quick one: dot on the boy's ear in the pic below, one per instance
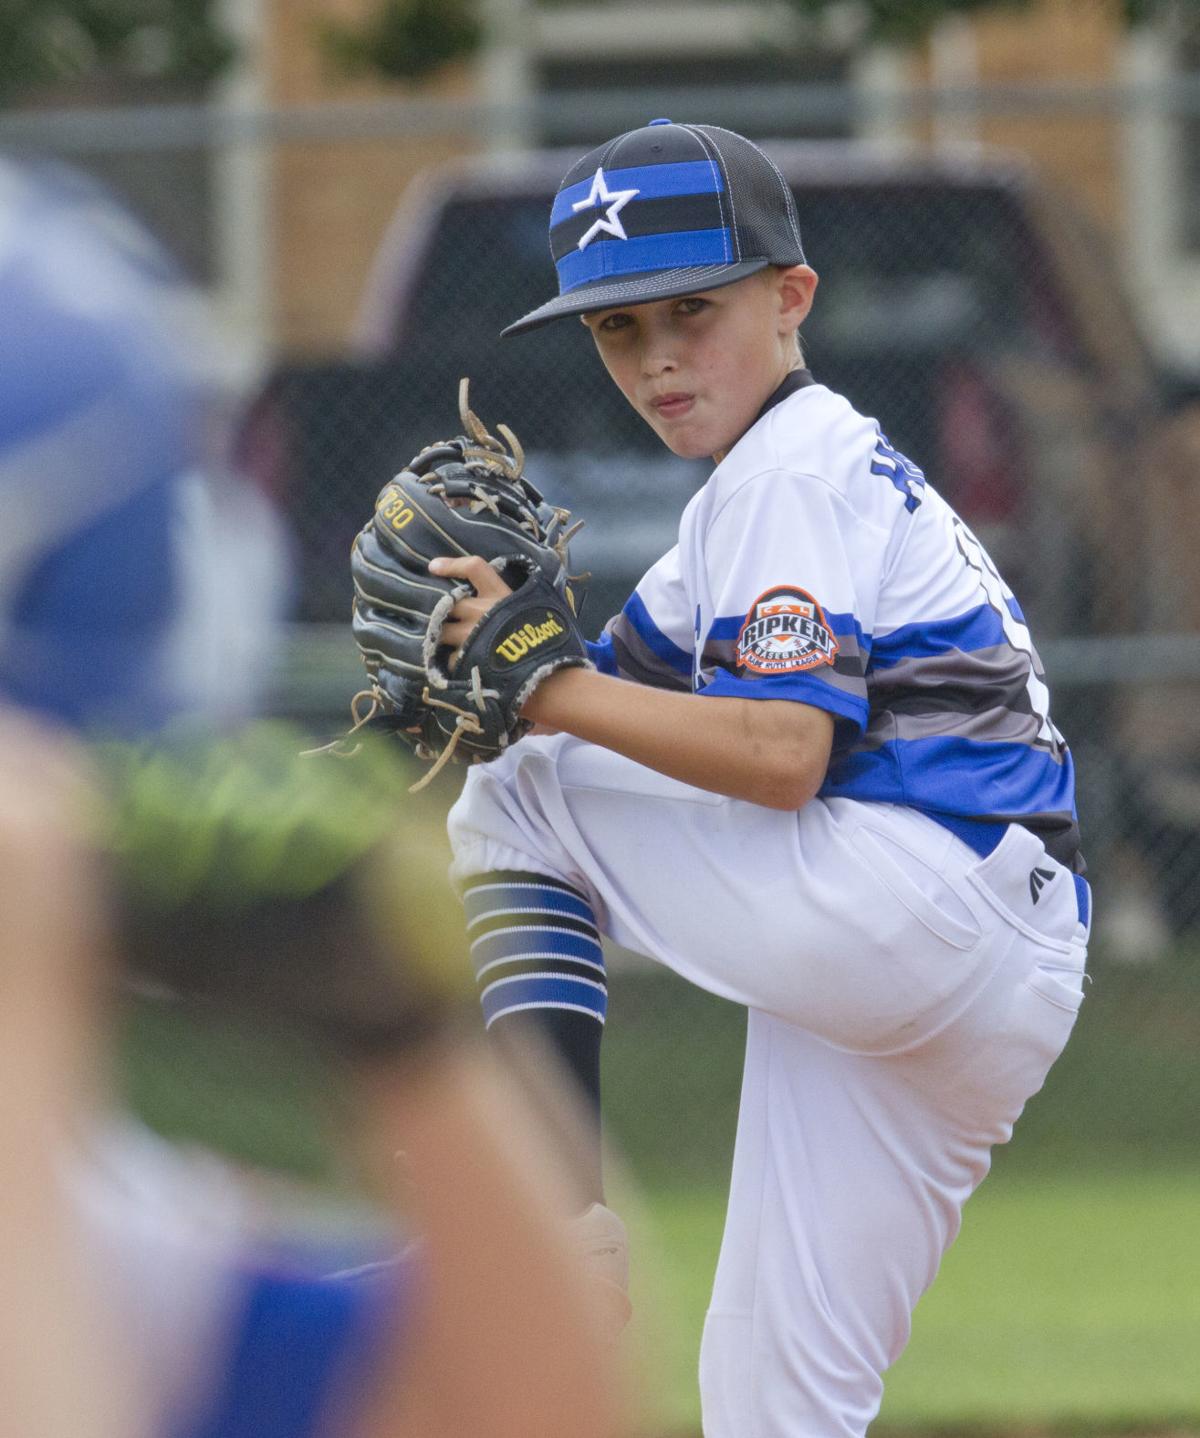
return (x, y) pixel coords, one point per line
(796, 285)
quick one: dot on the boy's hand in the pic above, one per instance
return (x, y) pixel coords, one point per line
(489, 589)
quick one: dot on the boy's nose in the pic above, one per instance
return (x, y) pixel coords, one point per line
(658, 357)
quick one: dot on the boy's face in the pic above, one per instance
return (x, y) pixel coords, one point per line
(698, 369)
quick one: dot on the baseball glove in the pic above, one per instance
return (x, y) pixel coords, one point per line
(458, 497)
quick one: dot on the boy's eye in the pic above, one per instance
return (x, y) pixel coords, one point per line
(692, 305)
(614, 322)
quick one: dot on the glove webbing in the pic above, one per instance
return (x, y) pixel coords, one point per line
(466, 723)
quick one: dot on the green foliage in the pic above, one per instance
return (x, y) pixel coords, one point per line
(908, 22)
(1140, 12)
(55, 42)
(405, 39)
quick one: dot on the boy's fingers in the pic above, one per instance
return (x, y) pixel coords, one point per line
(455, 631)
(478, 573)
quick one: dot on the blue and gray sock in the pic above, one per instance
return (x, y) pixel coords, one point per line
(536, 953)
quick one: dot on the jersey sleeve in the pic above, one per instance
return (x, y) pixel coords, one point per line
(651, 640)
(794, 573)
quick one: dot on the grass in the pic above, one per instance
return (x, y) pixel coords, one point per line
(1066, 1300)
(1070, 1302)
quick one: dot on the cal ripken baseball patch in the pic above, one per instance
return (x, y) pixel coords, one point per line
(785, 633)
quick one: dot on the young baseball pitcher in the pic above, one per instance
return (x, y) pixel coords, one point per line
(811, 769)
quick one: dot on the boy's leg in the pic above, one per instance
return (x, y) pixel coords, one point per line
(798, 914)
(849, 1179)
(907, 1006)
(536, 953)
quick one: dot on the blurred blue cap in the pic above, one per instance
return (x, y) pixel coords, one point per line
(135, 574)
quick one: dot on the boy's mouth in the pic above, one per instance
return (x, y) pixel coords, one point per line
(672, 406)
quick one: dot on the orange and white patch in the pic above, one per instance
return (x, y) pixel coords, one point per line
(785, 633)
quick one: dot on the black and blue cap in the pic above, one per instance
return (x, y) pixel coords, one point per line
(661, 211)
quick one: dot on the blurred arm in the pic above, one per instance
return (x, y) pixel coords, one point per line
(506, 1342)
(61, 1368)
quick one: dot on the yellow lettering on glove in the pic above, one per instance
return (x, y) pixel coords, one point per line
(395, 509)
(516, 645)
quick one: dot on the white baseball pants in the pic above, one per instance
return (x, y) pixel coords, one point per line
(906, 998)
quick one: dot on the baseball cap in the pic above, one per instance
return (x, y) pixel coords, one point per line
(136, 571)
(661, 211)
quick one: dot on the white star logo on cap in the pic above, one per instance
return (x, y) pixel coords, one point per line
(608, 223)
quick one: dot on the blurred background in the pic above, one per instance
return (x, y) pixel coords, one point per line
(1003, 203)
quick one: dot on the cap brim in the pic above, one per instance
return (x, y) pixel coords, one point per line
(635, 290)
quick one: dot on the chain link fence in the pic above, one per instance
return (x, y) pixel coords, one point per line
(968, 300)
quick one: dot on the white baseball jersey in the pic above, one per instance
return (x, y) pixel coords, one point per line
(817, 565)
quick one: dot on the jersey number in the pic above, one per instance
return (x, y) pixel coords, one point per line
(1002, 600)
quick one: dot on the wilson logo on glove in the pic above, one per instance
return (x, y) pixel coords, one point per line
(516, 645)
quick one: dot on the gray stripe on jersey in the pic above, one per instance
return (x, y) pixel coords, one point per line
(997, 726)
(980, 694)
(978, 680)
(637, 661)
(845, 673)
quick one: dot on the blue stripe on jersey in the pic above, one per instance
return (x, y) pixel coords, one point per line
(678, 249)
(654, 639)
(296, 1339)
(603, 655)
(982, 835)
(543, 991)
(1083, 897)
(521, 899)
(1014, 608)
(978, 628)
(535, 943)
(967, 777)
(804, 688)
(844, 626)
(652, 182)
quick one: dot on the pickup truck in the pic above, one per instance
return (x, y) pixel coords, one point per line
(961, 303)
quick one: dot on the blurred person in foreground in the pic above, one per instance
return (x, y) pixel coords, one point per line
(145, 1296)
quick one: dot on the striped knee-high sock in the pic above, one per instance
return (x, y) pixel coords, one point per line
(536, 953)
